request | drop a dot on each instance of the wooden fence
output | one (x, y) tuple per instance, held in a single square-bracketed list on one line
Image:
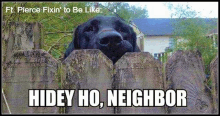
[(90, 69)]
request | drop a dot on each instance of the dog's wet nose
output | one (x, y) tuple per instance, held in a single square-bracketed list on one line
[(110, 39)]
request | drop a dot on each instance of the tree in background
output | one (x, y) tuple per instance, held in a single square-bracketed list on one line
[(124, 10), (190, 32), (59, 27)]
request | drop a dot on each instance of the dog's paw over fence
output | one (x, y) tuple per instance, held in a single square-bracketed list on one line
[(92, 70)]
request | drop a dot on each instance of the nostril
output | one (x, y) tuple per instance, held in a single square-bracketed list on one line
[(117, 40), (104, 41), (113, 40)]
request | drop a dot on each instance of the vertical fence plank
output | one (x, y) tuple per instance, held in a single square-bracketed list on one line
[(185, 70), (91, 69), (138, 71), (215, 83), (31, 69), (88, 69), (21, 36)]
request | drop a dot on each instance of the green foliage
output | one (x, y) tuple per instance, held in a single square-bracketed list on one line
[(190, 33), (125, 11), (59, 27), (55, 43), (182, 11)]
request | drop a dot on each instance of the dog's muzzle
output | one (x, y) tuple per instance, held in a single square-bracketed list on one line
[(109, 38)]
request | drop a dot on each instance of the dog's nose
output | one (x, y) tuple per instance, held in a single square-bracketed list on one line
[(110, 38)]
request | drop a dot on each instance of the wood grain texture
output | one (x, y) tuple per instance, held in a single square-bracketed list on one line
[(31, 69), (88, 69), (185, 70), (138, 71)]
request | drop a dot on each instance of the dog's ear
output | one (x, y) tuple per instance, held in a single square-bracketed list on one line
[(76, 37), (74, 44), (69, 50), (134, 43)]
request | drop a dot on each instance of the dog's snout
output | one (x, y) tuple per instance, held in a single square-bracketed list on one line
[(110, 38)]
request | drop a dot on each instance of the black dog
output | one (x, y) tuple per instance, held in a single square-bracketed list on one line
[(109, 34)]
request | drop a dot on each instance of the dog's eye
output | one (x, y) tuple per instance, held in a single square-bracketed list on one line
[(90, 28), (95, 22), (122, 29)]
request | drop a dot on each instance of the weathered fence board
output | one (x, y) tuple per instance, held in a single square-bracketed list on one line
[(21, 36), (185, 70), (91, 69), (138, 71), (31, 69), (88, 69), (215, 83)]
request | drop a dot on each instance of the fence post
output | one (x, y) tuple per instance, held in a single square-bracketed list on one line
[(215, 79), (21, 36), (185, 70), (138, 70), (29, 69), (88, 69)]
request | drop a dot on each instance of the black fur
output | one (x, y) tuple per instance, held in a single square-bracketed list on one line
[(109, 34)]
